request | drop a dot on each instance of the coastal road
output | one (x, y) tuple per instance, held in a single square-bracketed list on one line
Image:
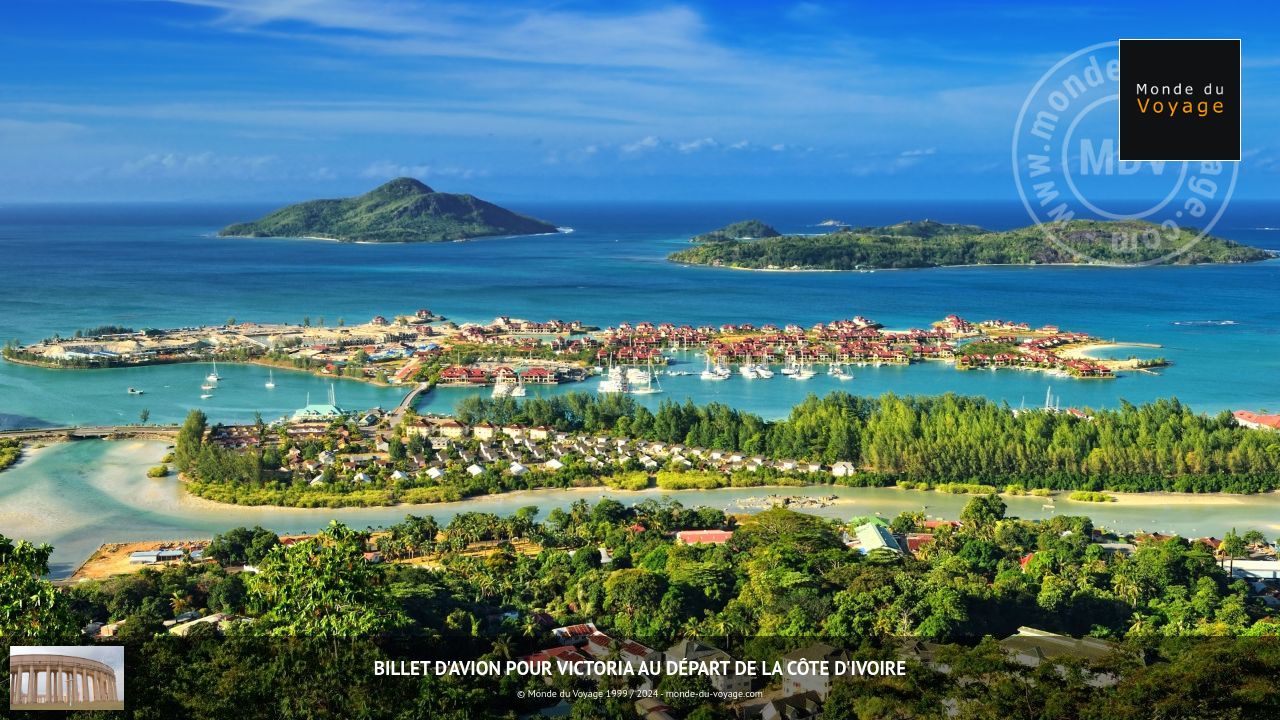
[(162, 432)]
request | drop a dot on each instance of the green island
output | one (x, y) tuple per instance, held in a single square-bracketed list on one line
[(402, 210), (927, 243), (744, 230), (993, 616), (949, 443)]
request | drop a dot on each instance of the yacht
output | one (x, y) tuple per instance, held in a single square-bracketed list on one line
[(271, 380), (501, 388), (763, 372), (208, 386), (615, 382), (213, 375), (837, 372), (802, 373), (206, 396), (518, 390), (636, 376), (719, 372), (648, 386), (135, 391)]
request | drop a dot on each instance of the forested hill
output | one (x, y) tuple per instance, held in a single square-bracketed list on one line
[(403, 210), (933, 244), (744, 230)]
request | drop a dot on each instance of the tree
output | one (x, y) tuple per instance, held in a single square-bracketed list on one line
[(190, 440), (144, 416), (242, 546), (32, 611), (323, 587), (1232, 547), (981, 514), (634, 591)]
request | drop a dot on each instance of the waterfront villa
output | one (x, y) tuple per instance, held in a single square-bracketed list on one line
[(874, 536), (703, 537), (1257, 421)]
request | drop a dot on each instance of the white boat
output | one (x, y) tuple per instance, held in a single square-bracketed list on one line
[(206, 396), (802, 373), (271, 380), (719, 372), (501, 388), (213, 375), (748, 370), (763, 372), (648, 386), (135, 391), (837, 372), (518, 390), (208, 386), (636, 376), (790, 368), (615, 382)]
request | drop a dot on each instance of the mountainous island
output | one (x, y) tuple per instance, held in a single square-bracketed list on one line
[(402, 210), (923, 244), (744, 230)]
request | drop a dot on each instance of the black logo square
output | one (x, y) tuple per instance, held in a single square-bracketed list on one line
[(1179, 100)]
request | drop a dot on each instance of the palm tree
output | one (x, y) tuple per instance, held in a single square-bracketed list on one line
[(179, 603), (502, 647)]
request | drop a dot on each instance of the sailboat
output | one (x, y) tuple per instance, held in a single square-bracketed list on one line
[(518, 390), (837, 372), (271, 380), (719, 372), (647, 386), (213, 375), (802, 372), (615, 382)]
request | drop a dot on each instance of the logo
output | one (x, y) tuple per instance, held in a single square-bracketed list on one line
[(1067, 167)]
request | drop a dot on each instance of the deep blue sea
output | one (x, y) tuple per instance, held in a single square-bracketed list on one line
[(70, 267)]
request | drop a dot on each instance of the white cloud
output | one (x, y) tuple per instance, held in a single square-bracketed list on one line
[(696, 145), (26, 131), (740, 145), (644, 144), (918, 152), (385, 170), (205, 164)]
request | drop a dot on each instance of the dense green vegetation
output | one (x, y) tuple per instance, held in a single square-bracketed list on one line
[(1189, 639), (10, 451), (1157, 446), (932, 244), (744, 230), (950, 444), (402, 210)]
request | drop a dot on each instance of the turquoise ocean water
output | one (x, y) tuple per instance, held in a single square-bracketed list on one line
[(159, 265), (65, 268)]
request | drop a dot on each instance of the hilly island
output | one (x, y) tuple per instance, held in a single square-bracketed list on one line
[(923, 244), (402, 210)]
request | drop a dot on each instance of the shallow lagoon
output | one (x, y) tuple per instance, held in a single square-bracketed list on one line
[(79, 495)]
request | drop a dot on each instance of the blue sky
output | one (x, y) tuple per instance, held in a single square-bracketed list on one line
[(286, 99)]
